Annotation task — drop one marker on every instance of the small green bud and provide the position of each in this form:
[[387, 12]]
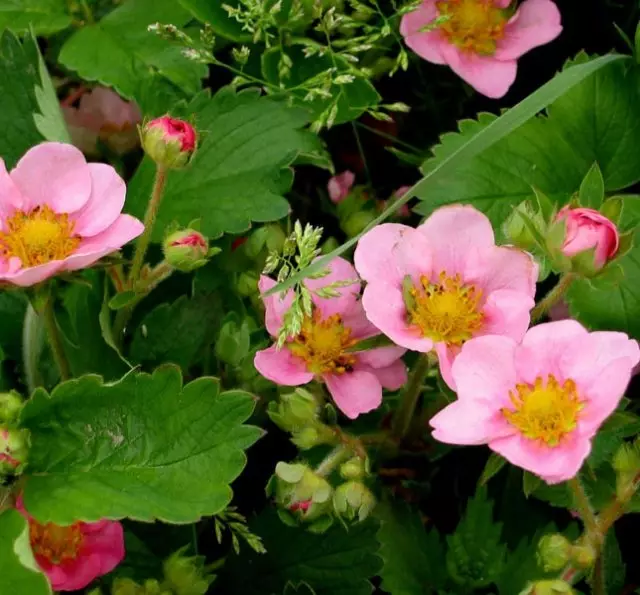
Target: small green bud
[[187, 575], [169, 142], [553, 552], [311, 436], [515, 227], [10, 406], [583, 555], [295, 410], [14, 448], [357, 222], [355, 468], [127, 586], [297, 483], [247, 283], [186, 250], [550, 587], [329, 245], [353, 500]]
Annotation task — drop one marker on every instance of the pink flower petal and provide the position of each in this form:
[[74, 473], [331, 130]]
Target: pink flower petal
[[426, 44], [536, 23], [382, 356], [341, 270], [281, 367], [507, 313], [393, 376], [31, 276], [385, 308], [105, 541], [504, 267], [374, 254], [355, 392], [10, 196], [553, 464], [459, 237], [109, 110], [108, 192], [446, 357], [275, 307], [356, 320], [124, 229], [412, 257], [53, 174], [485, 74]]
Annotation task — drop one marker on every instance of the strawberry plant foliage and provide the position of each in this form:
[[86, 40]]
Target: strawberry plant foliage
[[144, 447]]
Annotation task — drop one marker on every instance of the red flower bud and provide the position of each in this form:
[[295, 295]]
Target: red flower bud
[[169, 142]]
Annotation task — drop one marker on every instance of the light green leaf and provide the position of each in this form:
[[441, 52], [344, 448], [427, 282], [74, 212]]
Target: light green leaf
[[494, 464], [143, 447], [413, 557], [44, 17], [219, 19], [471, 147], [336, 562], [120, 52], [240, 170], [18, 570], [591, 192]]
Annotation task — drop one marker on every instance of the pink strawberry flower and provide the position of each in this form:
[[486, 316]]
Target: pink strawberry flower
[[73, 556], [437, 286], [102, 114], [480, 40], [59, 213], [340, 185], [322, 349], [588, 229], [539, 403]]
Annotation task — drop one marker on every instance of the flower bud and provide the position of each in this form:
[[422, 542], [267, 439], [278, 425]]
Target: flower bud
[[298, 483], [588, 233], [311, 436], [356, 222], [247, 283], [516, 230], [554, 552], [340, 185], [353, 499], [295, 410], [583, 555], [187, 575], [10, 406], [186, 250], [127, 586], [169, 142], [355, 468], [14, 447], [269, 237], [550, 587]]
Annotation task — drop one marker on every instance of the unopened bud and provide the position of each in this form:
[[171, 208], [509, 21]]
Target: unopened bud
[[10, 406], [247, 283], [550, 587], [269, 237], [353, 500], [187, 575], [312, 436], [355, 468], [357, 222], [14, 448], [295, 410], [298, 483], [186, 250], [169, 142], [517, 226], [583, 555], [554, 552], [127, 586]]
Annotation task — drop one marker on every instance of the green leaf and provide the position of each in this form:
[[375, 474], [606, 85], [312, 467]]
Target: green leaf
[[494, 464], [413, 558], [18, 103], [120, 52], [469, 148], [476, 555], [337, 562], [123, 299], [611, 435], [219, 19], [18, 570], [43, 16], [143, 447], [353, 98], [530, 483], [178, 332], [239, 172], [612, 565], [591, 192], [597, 120]]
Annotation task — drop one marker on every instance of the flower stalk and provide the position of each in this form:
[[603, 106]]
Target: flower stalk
[[553, 297], [55, 338], [409, 399]]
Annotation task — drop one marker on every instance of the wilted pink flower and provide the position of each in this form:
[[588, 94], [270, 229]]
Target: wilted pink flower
[[480, 40], [322, 348], [445, 282], [538, 403], [587, 229], [103, 114], [75, 555], [340, 185], [59, 213]]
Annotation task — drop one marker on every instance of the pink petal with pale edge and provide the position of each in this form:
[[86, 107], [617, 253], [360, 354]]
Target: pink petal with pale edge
[[507, 312], [426, 44], [553, 464], [356, 320], [412, 256], [275, 307], [281, 367], [374, 254], [485, 74], [108, 192], [382, 356], [341, 270], [10, 196], [386, 310], [393, 376], [354, 392], [32, 275], [446, 357], [53, 174], [536, 23]]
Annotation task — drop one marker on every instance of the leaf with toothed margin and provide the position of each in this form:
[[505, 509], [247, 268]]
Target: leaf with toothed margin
[[145, 447]]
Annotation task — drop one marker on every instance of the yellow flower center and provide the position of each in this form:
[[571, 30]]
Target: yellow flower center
[[472, 25], [38, 237], [56, 544], [545, 411], [447, 311], [323, 344]]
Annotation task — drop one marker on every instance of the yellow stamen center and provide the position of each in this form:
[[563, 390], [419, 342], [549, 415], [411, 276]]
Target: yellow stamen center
[[323, 344], [38, 237], [56, 544], [446, 311], [472, 25], [546, 411]]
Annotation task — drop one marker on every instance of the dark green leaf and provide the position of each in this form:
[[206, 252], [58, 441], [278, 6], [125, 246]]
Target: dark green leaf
[[494, 464], [43, 16], [611, 565], [143, 447], [611, 435], [591, 192], [123, 299], [530, 483]]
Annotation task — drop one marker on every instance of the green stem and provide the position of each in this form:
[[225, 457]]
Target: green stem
[[356, 134], [32, 343], [338, 455], [149, 220], [598, 584], [409, 399], [552, 297], [55, 339], [583, 505], [88, 15]]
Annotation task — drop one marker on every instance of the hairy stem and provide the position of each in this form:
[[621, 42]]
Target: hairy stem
[[583, 505], [553, 297], [32, 343], [55, 339], [338, 455], [598, 584], [409, 399]]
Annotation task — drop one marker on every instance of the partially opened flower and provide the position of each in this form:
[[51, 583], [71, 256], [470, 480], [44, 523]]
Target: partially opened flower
[[441, 284], [75, 555], [480, 40], [324, 347], [59, 213], [538, 403]]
